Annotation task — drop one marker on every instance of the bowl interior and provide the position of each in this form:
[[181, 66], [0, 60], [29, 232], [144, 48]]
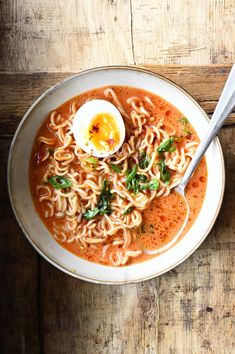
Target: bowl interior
[[22, 202]]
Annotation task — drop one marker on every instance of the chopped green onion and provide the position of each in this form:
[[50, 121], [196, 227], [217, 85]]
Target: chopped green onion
[[131, 175], [59, 182], [93, 161], [153, 185], [115, 168], [136, 182], [185, 126], [165, 145], [172, 149], [90, 214], [128, 210], [187, 132], [183, 120]]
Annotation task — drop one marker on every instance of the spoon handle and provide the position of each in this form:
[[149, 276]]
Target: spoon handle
[[224, 107]]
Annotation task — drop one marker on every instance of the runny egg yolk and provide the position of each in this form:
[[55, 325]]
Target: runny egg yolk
[[103, 132]]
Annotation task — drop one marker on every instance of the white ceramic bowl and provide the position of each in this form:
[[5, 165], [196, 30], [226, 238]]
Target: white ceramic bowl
[[19, 190]]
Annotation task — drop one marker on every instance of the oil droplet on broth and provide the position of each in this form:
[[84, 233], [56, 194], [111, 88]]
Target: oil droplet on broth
[[162, 221]]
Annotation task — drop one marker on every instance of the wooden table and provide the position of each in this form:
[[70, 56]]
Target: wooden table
[[189, 310]]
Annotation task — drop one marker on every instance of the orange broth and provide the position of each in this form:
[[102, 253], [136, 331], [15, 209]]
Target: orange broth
[[164, 217]]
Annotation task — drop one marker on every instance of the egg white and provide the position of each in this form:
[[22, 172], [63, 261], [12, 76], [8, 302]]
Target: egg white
[[82, 120]]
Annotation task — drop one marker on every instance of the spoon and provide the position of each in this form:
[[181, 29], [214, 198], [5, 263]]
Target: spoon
[[224, 107]]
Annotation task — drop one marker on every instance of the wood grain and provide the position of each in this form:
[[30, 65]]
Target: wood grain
[[19, 296], [189, 310], [183, 32], [38, 35]]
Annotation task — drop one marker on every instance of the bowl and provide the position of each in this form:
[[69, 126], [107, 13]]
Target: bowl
[[19, 190]]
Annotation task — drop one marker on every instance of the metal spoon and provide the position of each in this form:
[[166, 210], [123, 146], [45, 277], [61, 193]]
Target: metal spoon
[[224, 107]]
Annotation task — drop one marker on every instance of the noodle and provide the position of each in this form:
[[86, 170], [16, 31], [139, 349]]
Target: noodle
[[117, 230]]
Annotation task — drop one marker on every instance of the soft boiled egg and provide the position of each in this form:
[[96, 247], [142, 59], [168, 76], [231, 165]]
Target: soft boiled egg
[[98, 128]]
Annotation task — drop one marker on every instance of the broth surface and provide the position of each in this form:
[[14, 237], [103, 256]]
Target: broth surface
[[165, 215]]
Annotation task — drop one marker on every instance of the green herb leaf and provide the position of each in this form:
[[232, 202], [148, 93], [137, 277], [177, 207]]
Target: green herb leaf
[[103, 206], [132, 174], [144, 160], [183, 120], [164, 172], [128, 210], [105, 198], [172, 149], [165, 145], [91, 214], [115, 168], [105, 190], [187, 131], [185, 126], [93, 161], [59, 182], [135, 184], [142, 178], [153, 185]]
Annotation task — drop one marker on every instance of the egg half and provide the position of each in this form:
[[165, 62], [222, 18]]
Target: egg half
[[98, 128]]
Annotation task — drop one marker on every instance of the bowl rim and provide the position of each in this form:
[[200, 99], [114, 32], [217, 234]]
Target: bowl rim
[[9, 167]]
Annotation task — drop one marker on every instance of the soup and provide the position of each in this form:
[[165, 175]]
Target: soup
[[108, 210]]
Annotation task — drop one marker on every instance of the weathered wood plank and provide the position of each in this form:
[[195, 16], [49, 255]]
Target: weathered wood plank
[[87, 318], [18, 91], [19, 312], [59, 36], [44, 36], [183, 32]]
